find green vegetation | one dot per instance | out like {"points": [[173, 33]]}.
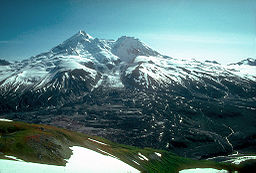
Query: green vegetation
{"points": [[50, 145]]}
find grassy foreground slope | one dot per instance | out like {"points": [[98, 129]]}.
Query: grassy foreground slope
{"points": [[50, 145]]}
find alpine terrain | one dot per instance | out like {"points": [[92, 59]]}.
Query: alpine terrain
{"points": [[126, 92]]}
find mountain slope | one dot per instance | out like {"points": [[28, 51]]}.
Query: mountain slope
{"points": [[127, 92]]}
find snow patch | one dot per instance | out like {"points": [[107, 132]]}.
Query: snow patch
{"points": [[142, 157], [203, 170], [244, 71], [93, 140], [158, 154], [10, 166], [240, 159], [3, 119], [107, 153], [135, 162], [14, 158], [83, 160]]}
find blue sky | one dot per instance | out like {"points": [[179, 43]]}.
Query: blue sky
{"points": [[222, 30]]}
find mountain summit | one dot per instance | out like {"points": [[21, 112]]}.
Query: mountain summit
{"points": [[80, 37], [248, 61], [127, 48]]}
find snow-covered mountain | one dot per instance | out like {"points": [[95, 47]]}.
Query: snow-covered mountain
{"points": [[108, 62], [4, 62], [248, 61], [125, 91], [97, 60]]}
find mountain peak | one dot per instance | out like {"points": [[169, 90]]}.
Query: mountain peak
{"points": [[83, 34], [248, 61], [4, 62], [72, 42], [127, 48], [79, 36], [211, 62], [128, 38]]}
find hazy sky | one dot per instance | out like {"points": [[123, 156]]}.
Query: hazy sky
{"points": [[222, 30]]}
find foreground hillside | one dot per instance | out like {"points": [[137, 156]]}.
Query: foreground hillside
{"points": [[51, 145]]}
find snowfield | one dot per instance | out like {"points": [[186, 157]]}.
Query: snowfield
{"points": [[3, 119], [83, 160], [203, 170]]}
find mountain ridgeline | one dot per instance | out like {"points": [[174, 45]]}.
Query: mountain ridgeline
{"points": [[126, 92]]}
